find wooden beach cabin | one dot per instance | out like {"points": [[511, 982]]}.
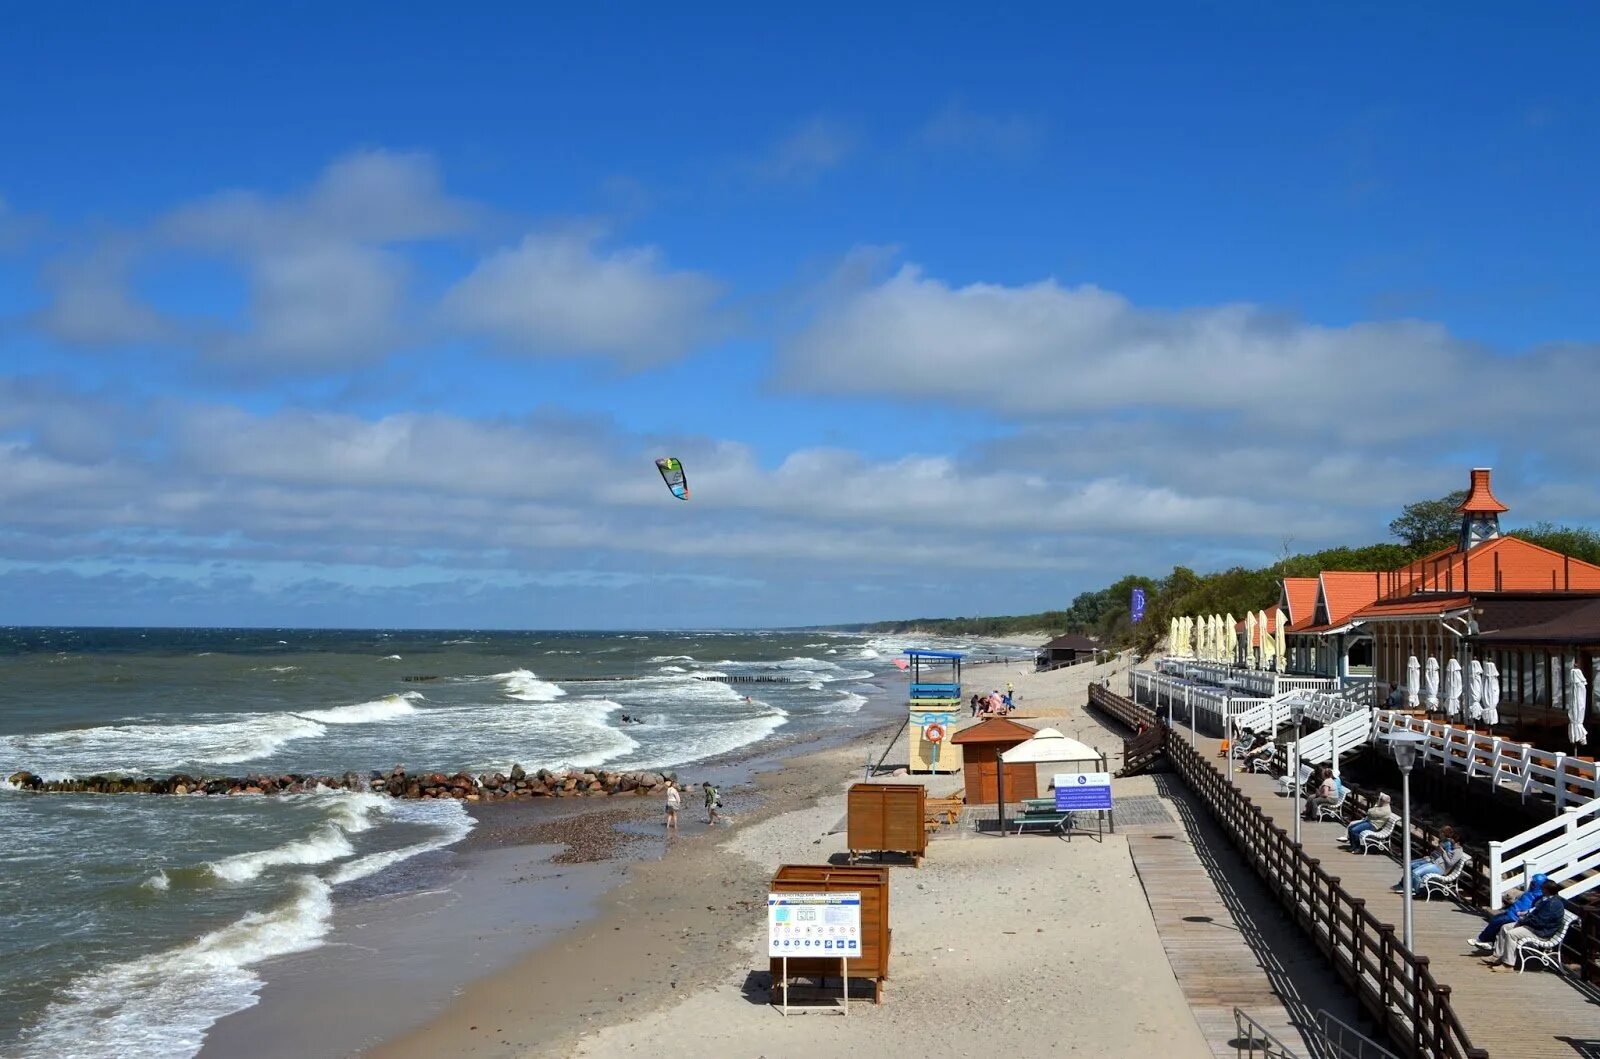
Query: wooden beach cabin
{"points": [[981, 746], [887, 818], [934, 704], [872, 883], [1066, 650]]}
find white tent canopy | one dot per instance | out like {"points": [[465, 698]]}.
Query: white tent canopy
{"points": [[1049, 745]]}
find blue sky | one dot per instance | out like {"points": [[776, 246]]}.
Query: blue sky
{"points": [[378, 317]]}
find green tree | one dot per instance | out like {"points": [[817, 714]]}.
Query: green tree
{"points": [[1429, 521]]}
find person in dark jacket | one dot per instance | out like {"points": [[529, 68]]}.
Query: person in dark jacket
{"points": [[1544, 921], [1519, 908]]}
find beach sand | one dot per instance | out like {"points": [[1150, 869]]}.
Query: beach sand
{"points": [[1029, 947]]}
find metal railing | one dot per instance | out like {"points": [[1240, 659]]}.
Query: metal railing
{"points": [[1252, 1038], [1343, 1041]]}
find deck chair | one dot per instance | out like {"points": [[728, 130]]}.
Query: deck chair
{"points": [[1445, 884], [1378, 837], [1545, 950]]}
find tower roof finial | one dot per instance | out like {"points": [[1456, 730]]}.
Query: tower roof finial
{"points": [[1480, 499]]}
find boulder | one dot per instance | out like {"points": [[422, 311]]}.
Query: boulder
{"points": [[517, 772]]}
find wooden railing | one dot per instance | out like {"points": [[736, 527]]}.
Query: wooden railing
{"points": [[1395, 986], [1142, 750]]}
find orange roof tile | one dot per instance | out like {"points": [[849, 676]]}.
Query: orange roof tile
{"points": [[1342, 593], [1410, 608], [1505, 564], [1300, 593], [1480, 501]]}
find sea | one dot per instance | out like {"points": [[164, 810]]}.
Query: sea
{"points": [[133, 923]]}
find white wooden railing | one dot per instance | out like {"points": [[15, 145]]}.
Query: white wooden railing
{"points": [[1566, 848], [1341, 736], [1258, 682], [1191, 702], [1521, 767]]}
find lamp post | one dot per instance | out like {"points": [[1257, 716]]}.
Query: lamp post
{"points": [[1404, 746], [1298, 710]]}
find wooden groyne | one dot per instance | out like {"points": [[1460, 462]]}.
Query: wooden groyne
{"points": [[397, 783]]}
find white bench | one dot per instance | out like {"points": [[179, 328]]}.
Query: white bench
{"points": [[1378, 837], [1444, 884], [1334, 812], [1546, 950]]}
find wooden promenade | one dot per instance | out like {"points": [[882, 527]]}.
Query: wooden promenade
{"points": [[1534, 1015]]}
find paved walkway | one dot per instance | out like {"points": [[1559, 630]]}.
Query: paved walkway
{"points": [[1537, 1014]]}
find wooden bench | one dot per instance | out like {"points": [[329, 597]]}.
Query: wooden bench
{"points": [[946, 809]]}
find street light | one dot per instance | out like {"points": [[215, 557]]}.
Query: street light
{"points": [[1298, 711], [1405, 747]]}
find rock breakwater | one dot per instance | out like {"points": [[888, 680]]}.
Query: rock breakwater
{"points": [[397, 783]]}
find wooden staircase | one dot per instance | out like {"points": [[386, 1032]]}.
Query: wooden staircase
{"points": [[1141, 752]]}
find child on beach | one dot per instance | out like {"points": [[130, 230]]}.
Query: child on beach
{"points": [[713, 803], [674, 802]]}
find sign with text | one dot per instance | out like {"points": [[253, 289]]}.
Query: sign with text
{"points": [[1083, 790], [814, 924]]}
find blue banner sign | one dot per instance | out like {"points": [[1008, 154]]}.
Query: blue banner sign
{"points": [[1083, 790], [1137, 605]]}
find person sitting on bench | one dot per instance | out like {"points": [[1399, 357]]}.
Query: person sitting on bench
{"points": [[1549, 915], [1259, 745], [1519, 908], [1377, 816], [1442, 862], [1326, 794]]}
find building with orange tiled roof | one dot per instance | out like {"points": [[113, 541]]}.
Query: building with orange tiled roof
{"points": [[1489, 597], [1326, 641]]}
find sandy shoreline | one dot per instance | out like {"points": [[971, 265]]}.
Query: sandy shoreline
{"points": [[672, 963]]}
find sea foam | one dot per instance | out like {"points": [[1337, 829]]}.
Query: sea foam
{"points": [[525, 685], [387, 708]]}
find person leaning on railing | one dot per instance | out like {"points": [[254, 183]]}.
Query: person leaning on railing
{"points": [[1377, 816], [1544, 921], [1519, 908]]}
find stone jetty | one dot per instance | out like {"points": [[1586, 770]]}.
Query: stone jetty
{"points": [[397, 783]]}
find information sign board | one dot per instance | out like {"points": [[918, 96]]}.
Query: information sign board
{"points": [[1083, 790], [814, 924]]}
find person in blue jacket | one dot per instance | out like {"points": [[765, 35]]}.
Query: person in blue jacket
{"points": [[1519, 908], [1544, 921]]}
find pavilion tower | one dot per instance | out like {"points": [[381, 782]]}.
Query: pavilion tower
{"points": [[1480, 512]]}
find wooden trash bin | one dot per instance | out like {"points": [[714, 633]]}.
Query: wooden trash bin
{"points": [[872, 882], [887, 818]]}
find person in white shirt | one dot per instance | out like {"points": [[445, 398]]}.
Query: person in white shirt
{"points": [[674, 803]]}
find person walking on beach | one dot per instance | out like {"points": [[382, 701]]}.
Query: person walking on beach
{"points": [[674, 803], [713, 803]]}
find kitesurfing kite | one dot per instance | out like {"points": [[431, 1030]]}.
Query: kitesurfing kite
{"points": [[672, 473]]}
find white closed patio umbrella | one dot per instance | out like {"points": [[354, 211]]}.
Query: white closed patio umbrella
{"points": [[1475, 691], [1172, 636], [1413, 681], [1577, 703], [1219, 647], [1430, 677], [1282, 641], [1250, 639], [1205, 638], [1452, 688], [1269, 645], [1491, 694], [1230, 638]]}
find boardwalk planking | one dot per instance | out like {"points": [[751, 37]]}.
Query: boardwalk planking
{"points": [[1535, 1015]]}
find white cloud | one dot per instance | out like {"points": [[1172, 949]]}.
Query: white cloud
{"points": [[810, 150], [957, 126], [1044, 349], [558, 294]]}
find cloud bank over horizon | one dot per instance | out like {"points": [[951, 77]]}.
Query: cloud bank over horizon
{"points": [[368, 399]]}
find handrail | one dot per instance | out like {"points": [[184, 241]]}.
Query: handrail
{"points": [[1564, 779], [1335, 1032], [1396, 986], [1247, 1032]]}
